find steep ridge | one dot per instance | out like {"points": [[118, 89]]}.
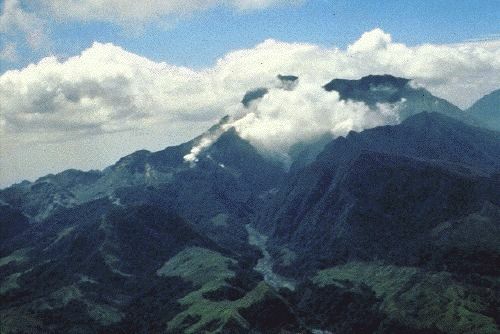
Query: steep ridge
{"points": [[221, 188], [375, 194], [229, 155]]}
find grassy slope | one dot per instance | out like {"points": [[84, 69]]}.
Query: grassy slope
{"points": [[208, 271], [417, 298], [17, 256]]}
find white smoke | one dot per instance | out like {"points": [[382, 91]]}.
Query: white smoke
{"points": [[205, 142], [282, 117], [287, 116]]}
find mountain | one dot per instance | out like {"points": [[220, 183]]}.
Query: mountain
{"points": [[286, 82], [98, 267], [376, 194], [394, 229], [221, 188], [107, 251], [374, 89], [391, 223], [253, 95], [486, 111], [12, 222]]}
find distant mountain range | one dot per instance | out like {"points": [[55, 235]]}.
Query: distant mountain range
{"points": [[395, 229]]}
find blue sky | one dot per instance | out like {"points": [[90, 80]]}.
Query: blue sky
{"points": [[198, 39]]}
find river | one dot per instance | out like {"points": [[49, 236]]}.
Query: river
{"points": [[265, 263]]}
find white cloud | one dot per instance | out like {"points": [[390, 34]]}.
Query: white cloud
{"points": [[107, 89], [259, 4], [283, 117], [25, 23], [370, 41], [9, 52], [15, 20], [132, 11]]}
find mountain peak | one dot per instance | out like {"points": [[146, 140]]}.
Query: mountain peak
{"points": [[253, 95], [486, 111], [287, 77], [286, 82], [371, 89], [367, 83], [379, 89]]}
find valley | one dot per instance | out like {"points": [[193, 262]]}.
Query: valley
{"points": [[265, 264]]}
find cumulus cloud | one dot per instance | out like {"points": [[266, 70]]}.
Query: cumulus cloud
{"points": [[106, 89], [371, 41], [132, 11]]}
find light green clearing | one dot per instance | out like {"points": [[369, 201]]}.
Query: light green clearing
{"points": [[62, 234], [265, 264], [287, 256], [111, 262], [199, 266], [102, 313], [16, 256], [208, 271], [420, 299], [10, 283], [86, 279], [65, 232], [220, 219], [385, 281]]}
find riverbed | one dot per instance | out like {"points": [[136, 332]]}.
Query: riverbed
{"points": [[265, 263]]}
